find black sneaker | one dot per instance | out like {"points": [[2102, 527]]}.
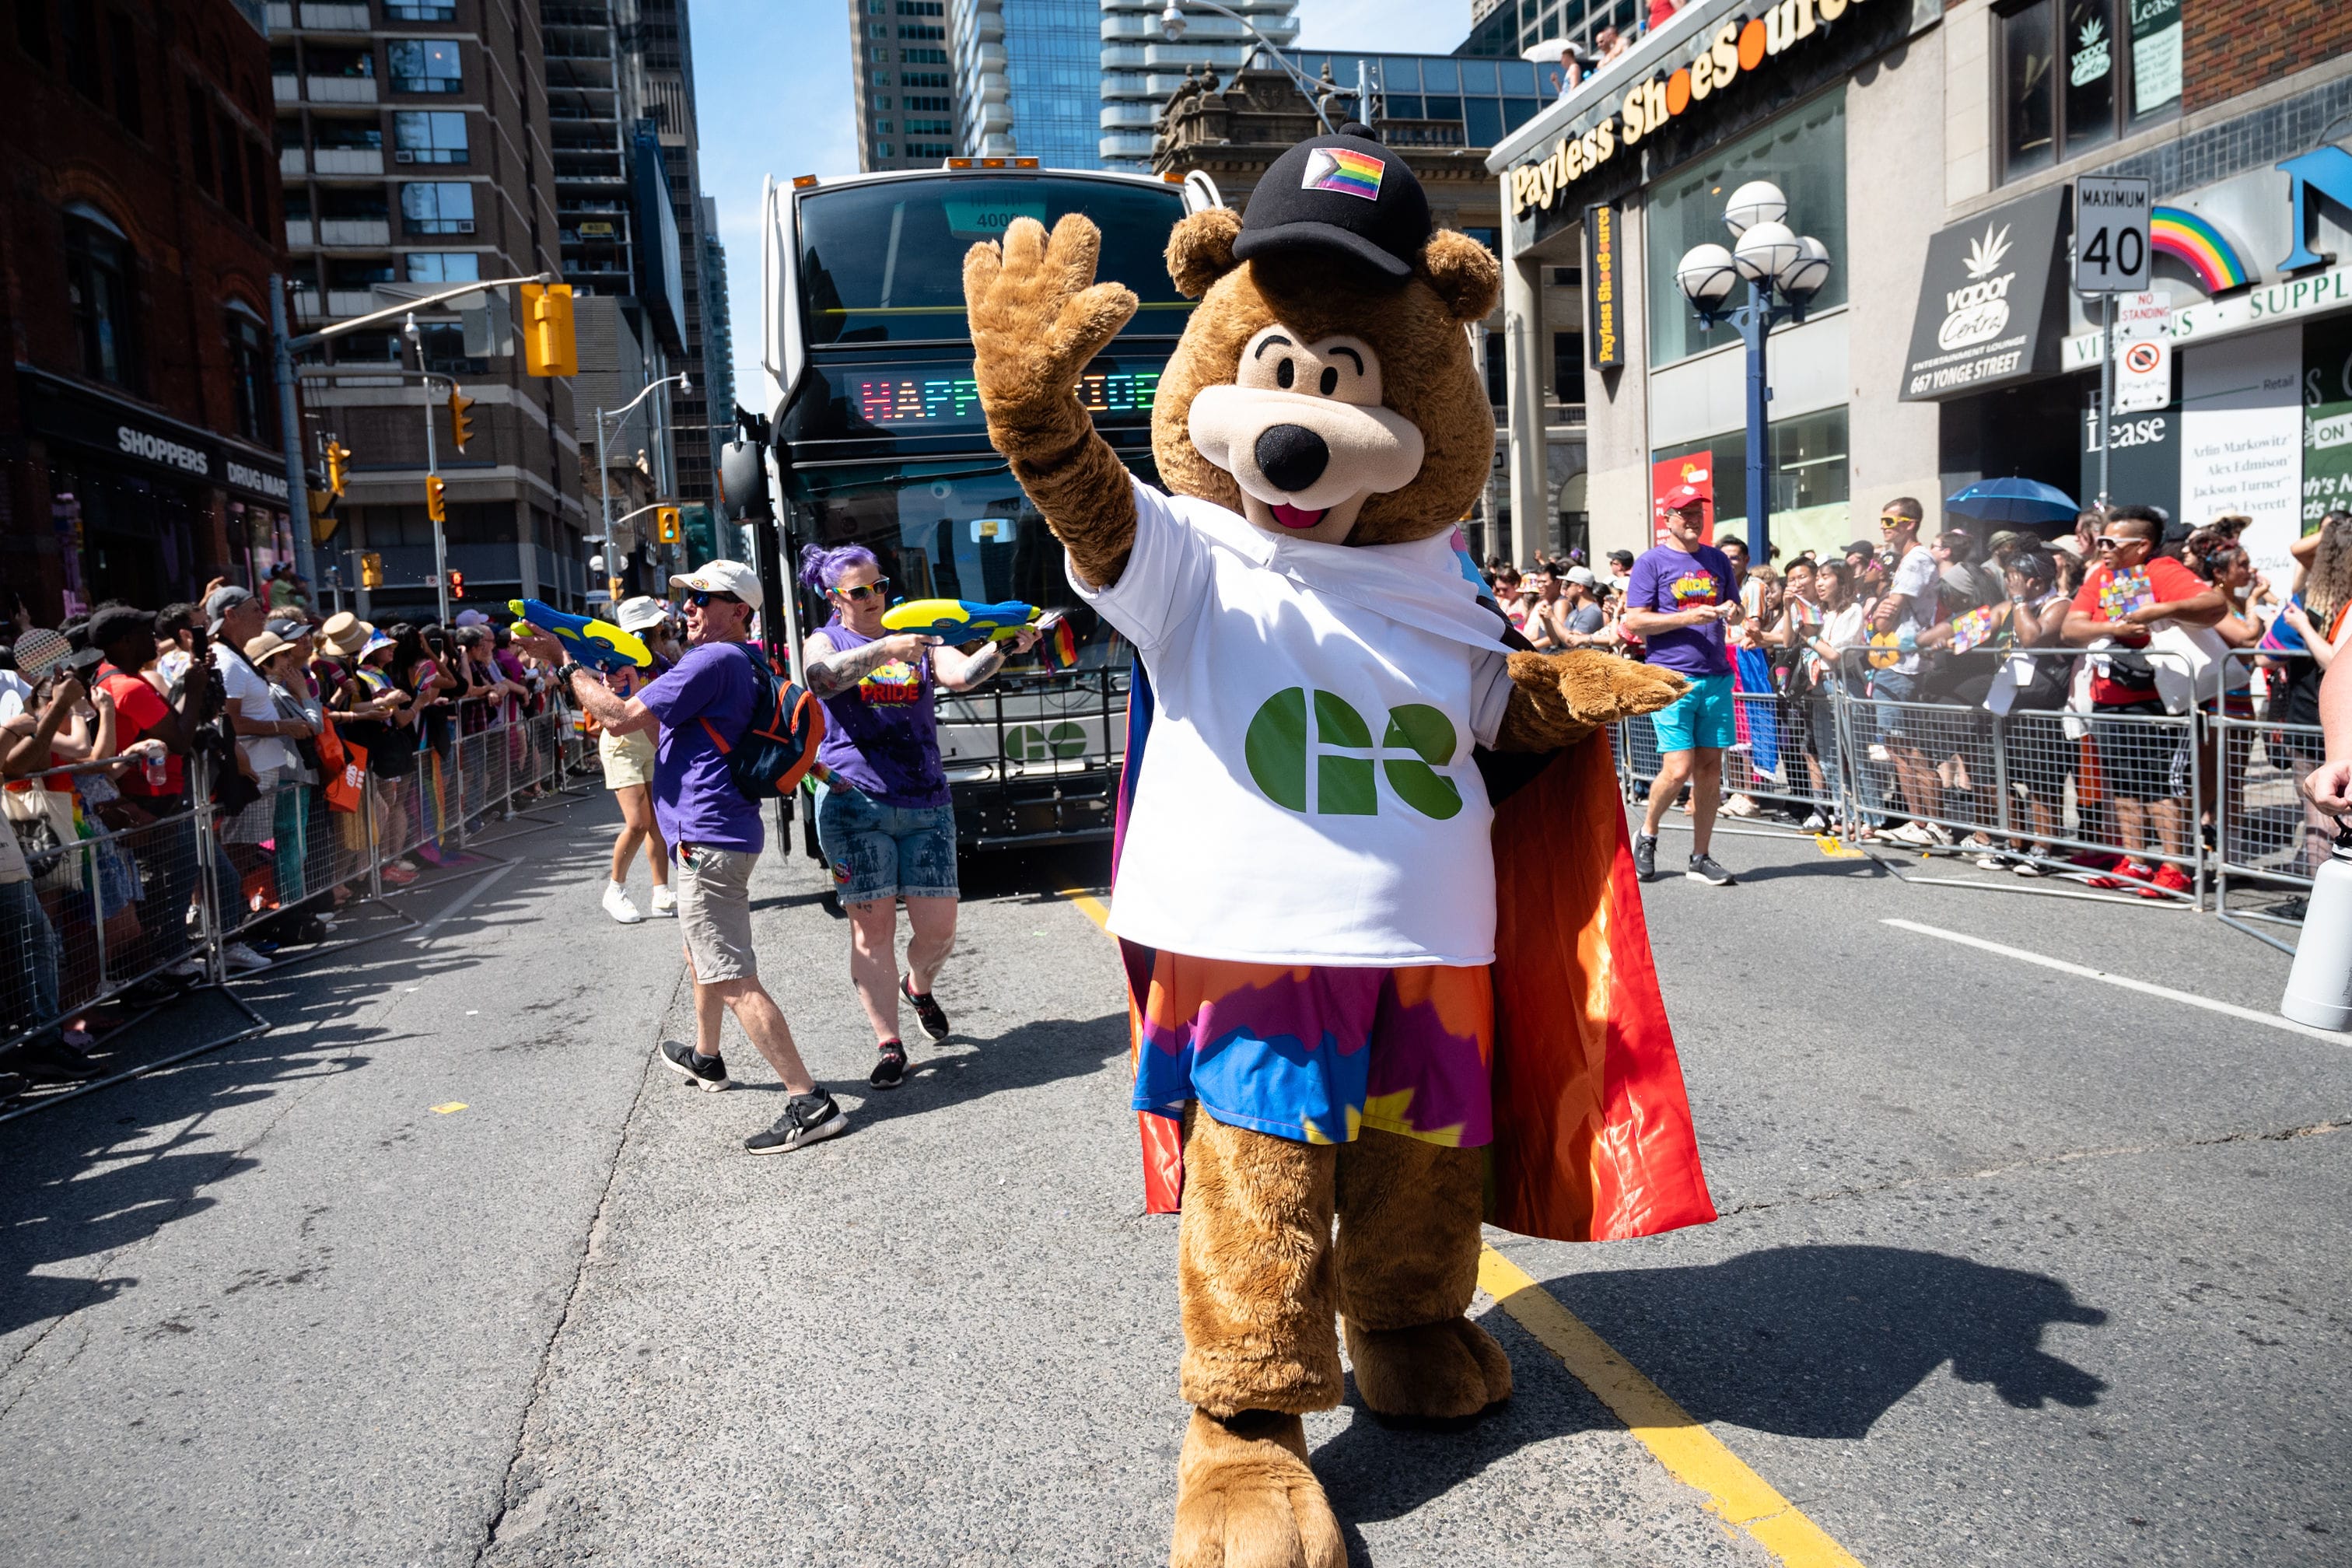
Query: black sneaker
{"points": [[50, 1061], [703, 1072], [1646, 856], [807, 1119], [1703, 869], [927, 1012], [891, 1070]]}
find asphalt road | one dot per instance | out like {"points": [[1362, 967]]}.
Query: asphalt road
{"points": [[2013, 1267]]}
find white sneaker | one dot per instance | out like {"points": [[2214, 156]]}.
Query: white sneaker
{"points": [[243, 959], [1817, 823], [664, 904], [1914, 834], [1940, 834], [618, 905]]}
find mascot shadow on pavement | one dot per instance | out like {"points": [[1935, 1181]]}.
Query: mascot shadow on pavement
{"points": [[1348, 1009]]}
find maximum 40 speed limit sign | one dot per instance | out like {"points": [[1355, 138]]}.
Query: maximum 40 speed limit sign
{"points": [[2111, 235]]}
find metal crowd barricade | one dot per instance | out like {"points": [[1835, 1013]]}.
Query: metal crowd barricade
{"points": [[2267, 842], [119, 906]]}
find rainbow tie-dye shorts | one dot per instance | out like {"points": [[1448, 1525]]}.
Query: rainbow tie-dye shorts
{"points": [[1313, 1053]]}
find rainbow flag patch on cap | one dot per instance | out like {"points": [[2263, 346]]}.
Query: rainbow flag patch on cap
{"points": [[1343, 169]]}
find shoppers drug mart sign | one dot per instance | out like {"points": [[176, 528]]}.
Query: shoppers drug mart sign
{"points": [[1725, 59]]}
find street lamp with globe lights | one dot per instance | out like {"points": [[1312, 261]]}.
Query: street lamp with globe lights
{"points": [[1784, 271], [1173, 23]]}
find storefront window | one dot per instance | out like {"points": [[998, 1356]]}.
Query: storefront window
{"points": [[1807, 479], [2077, 74], [253, 406], [98, 295], [1804, 152]]}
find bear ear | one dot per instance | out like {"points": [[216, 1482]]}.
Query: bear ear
{"points": [[1464, 272], [1200, 249]]}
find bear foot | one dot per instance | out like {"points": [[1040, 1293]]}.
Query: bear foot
{"points": [[1444, 1375], [1247, 1499]]}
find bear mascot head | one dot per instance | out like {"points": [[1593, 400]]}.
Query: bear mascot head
{"points": [[1347, 1011]]}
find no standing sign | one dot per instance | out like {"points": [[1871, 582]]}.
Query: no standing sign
{"points": [[2111, 235]]}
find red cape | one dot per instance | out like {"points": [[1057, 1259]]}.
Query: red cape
{"points": [[1592, 1131]]}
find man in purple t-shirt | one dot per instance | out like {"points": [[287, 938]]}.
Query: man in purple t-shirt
{"points": [[1677, 601], [702, 706]]}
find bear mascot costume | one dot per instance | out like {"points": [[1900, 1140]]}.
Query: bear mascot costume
{"points": [[1347, 1007]]}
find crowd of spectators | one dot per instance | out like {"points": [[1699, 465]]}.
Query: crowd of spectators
{"points": [[2124, 622], [315, 741]]}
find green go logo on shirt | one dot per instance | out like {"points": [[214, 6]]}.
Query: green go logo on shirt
{"points": [[1419, 740]]}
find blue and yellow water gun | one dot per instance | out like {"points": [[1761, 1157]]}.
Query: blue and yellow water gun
{"points": [[599, 645], [963, 621]]}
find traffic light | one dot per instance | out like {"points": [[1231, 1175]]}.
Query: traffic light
{"points": [[323, 516], [338, 457], [461, 423], [457, 583], [371, 569], [666, 525], [434, 488], [548, 346]]}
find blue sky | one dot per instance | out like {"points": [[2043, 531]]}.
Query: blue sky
{"points": [[771, 81]]}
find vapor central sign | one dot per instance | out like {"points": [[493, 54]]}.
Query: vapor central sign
{"points": [[1982, 298]]}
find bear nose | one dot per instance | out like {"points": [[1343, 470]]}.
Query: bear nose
{"points": [[1292, 456]]}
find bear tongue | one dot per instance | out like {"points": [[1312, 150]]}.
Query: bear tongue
{"points": [[1298, 517]]}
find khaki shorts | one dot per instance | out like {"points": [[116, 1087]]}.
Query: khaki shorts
{"points": [[628, 759], [714, 911]]}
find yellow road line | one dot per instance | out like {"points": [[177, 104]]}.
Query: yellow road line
{"points": [[1691, 1454]]}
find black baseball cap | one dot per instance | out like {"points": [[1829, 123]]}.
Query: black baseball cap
{"points": [[1346, 195]]}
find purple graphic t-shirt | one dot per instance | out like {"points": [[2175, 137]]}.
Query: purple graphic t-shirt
{"points": [[695, 797], [882, 734], [1666, 579]]}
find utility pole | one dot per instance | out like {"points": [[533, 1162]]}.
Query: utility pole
{"points": [[290, 434], [432, 468]]}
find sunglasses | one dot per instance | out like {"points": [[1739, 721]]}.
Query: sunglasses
{"points": [[701, 598], [868, 591], [2117, 541], [1896, 521]]}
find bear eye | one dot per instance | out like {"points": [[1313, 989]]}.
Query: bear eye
{"points": [[1285, 373], [1331, 379]]}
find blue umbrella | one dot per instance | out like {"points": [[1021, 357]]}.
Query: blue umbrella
{"points": [[2013, 500]]}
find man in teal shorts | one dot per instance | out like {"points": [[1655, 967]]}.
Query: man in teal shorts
{"points": [[1677, 601]]}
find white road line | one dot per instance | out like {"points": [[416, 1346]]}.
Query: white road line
{"points": [[2144, 987], [425, 932]]}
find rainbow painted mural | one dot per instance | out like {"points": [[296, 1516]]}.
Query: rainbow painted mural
{"points": [[2194, 241]]}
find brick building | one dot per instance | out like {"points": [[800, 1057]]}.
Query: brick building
{"points": [[140, 225]]}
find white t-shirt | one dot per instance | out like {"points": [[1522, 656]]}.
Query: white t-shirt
{"points": [[15, 693], [250, 697], [1917, 579], [1309, 794], [1844, 629]]}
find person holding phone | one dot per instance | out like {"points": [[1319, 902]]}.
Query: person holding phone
{"points": [[884, 820]]}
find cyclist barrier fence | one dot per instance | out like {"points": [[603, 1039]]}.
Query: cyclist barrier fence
{"points": [[2005, 758], [108, 909]]}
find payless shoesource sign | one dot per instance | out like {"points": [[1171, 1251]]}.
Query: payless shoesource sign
{"points": [[1724, 57]]}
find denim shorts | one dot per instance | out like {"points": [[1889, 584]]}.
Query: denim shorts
{"points": [[877, 851]]}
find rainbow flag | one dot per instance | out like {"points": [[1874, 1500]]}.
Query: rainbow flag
{"points": [[1343, 169]]}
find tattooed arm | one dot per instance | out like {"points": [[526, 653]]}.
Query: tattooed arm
{"points": [[960, 671], [829, 672]]}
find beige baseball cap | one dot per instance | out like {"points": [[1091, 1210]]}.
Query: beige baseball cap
{"points": [[722, 577]]}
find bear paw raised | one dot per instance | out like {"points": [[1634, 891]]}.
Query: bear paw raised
{"points": [[1247, 1499], [1445, 1374], [1557, 699]]}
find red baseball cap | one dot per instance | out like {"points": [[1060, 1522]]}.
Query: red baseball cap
{"points": [[1681, 496]]}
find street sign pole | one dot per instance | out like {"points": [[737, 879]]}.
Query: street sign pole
{"points": [[2111, 257], [2106, 390]]}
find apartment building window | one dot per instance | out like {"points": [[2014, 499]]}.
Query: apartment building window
{"points": [[439, 206], [98, 296], [232, 167], [425, 65], [252, 405], [81, 19], [882, 149], [421, 10], [347, 135], [923, 79], [32, 28], [883, 126], [1568, 367], [930, 127], [443, 266], [429, 136], [2077, 74], [130, 104], [200, 138], [922, 31]]}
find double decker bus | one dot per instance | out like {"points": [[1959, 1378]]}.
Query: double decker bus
{"points": [[879, 440]]}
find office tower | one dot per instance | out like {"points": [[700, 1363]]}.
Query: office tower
{"points": [[718, 333], [1028, 76], [662, 60], [412, 137], [1141, 66], [904, 90]]}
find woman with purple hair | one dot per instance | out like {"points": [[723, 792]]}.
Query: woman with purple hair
{"points": [[884, 820]]}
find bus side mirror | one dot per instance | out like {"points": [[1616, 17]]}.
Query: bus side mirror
{"points": [[742, 481]]}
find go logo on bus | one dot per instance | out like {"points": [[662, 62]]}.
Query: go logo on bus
{"points": [[1030, 743], [1419, 740]]}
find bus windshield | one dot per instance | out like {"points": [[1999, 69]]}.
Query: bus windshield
{"points": [[884, 262], [952, 533]]}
